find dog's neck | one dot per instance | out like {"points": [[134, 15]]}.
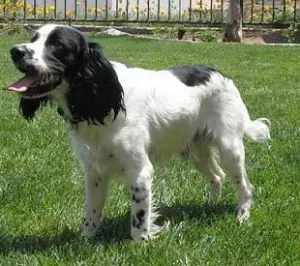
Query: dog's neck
{"points": [[59, 97]]}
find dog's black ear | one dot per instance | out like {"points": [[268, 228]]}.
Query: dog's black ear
{"points": [[95, 90], [28, 107]]}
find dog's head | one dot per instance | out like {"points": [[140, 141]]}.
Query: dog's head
{"points": [[47, 59], [58, 54]]}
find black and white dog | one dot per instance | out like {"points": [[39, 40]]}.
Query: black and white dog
{"points": [[125, 119]]}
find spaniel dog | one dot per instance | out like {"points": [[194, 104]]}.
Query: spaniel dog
{"points": [[123, 120]]}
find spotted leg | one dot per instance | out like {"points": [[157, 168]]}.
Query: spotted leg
{"points": [[95, 195], [142, 217]]}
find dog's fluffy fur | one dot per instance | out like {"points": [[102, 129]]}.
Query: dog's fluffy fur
{"points": [[125, 119]]}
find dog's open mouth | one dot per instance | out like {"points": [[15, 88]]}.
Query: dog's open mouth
{"points": [[23, 84], [34, 85]]}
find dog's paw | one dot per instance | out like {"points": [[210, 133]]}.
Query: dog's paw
{"points": [[147, 235], [88, 233], [243, 215], [90, 229], [144, 237]]}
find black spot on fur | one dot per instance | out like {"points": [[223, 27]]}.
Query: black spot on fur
{"points": [[200, 136], [145, 238], [94, 225], [243, 211], [140, 215], [96, 184], [135, 223], [193, 75], [137, 189], [138, 200], [135, 199], [94, 211], [110, 156], [86, 224], [139, 220]]}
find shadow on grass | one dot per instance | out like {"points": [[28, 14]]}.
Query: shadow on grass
{"points": [[114, 230], [34, 243], [204, 214]]}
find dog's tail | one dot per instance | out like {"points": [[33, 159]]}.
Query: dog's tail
{"points": [[258, 130]]}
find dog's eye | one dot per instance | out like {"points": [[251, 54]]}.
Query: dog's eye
{"points": [[35, 37], [58, 44]]}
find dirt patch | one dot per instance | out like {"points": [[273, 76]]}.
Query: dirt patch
{"points": [[250, 36], [264, 36]]}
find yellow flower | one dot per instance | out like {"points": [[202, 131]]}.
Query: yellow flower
{"points": [[29, 8], [19, 5], [162, 12], [69, 14], [50, 9], [267, 9], [40, 10]]}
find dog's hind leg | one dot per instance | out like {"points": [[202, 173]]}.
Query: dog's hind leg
{"points": [[233, 160], [205, 159]]}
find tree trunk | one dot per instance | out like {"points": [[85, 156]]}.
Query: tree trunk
{"points": [[233, 27]]}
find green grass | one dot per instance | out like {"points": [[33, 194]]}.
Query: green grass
{"points": [[41, 185]]}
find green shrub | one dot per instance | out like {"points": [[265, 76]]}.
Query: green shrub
{"points": [[11, 28], [292, 33], [209, 35]]}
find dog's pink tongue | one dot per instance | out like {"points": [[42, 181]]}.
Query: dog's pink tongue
{"points": [[22, 84]]}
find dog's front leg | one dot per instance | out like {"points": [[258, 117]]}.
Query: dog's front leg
{"points": [[141, 215], [95, 195]]}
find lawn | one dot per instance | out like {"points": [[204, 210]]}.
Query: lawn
{"points": [[41, 185]]}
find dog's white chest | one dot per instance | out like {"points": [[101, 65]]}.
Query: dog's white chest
{"points": [[95, 149]]}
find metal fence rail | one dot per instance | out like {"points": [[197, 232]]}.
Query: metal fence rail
{"points": [[149, 11]]}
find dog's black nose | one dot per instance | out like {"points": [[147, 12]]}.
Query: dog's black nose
{"points": [[17, 53]]}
